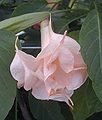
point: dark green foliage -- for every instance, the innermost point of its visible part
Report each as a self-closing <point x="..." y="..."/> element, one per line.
<point x="83" y="21"/>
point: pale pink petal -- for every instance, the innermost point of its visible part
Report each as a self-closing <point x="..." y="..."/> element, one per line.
<point x="28" y="60"/>
<point x="63" y="95"/>
<point x="76" y="78"/>
<point x="48" y="68"/>
<point x="39" y="72"/>
<point x="55" y="42"/>
<point x="48" y="71"/>
<point x="46" y="33"/>
<point x="53" y="56"/>
<point x="50" y="26"/>
<point x="22" y="70"/>
<point x="66" y="59"/>
<point x="30" y="79"/>
<point x="55" y="53"/>
<point x="17" y="70"/>
<point x="33" y="78"/>
<point x="71" y="44"/>
<point x="39" y="91"/>
<point x="56" y="80"/>
<point x="45" y="38"/>
<point x="50" y="83"/>
<point x="79" y="62"/>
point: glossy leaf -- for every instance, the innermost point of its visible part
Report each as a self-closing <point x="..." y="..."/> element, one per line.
<point x="91" y="47"/>
<point x="16" y="24"/>
<point x="85" y="102"/>
<point x="7" y="84"/>
<point x="45" y="110"/>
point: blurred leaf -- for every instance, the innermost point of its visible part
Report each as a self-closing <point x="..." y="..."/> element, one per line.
<point x="66" y="111"/>
<point x="1" y="1"/>
<point x="62" y="22"/>
<point x="11" y="115"/>
<point x="85" y="102"/>
<point x="91" y="48"/>
<point x="16" y="24"/>
<point x="56" y="1"/>
<point x="76" y="14"/>
<point x="60" y="25"/>
<point x="83" y="4"/>
<point x="29" y="7"/>
<point x="5" y="13"/>
<point x="45" y="110"/>
<point x="100" y="1"/>
<point x="7" y="84"/>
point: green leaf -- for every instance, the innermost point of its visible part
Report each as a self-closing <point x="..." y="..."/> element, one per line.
<point x="91" y="47"/>
<point x="56" y="1"/>
<point x="16" y="24"/>
<point x="83" y="4"/>
<point x="7" y="84"/>
<point x="62" y="22"/>
<point x="74" y="35"/>
<point x="85" y="102"/>
<point x="29" y="7"/>
<point x="66" y="111"/>
<point x="45" y="110"/>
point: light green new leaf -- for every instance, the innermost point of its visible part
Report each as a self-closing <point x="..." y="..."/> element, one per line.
<point x="7" y="84"/>
<point x="91" y="47"/>
<point x="16" y="24"/>
<point x="86" y="102"/>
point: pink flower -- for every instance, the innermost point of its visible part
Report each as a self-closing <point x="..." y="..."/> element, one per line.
<point x="56" y="72"/>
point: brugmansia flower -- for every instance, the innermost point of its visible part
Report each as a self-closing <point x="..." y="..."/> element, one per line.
<point x="56" y="72"/>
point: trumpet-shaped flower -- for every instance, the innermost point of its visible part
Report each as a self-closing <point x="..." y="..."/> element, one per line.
<point x="56" y="72"/>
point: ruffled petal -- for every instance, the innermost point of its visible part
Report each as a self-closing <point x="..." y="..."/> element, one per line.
<point x="55" y="53"/>
<point x="38" y="88"/>
<point x="30" y="79"/>
<point x="17" y="70"/>
<point x="62" y="95"/>
<point x="76" y="78"/>
<point x="71" y="44"/>
<point x="56" y="80"/>
<point x="66" y="60"/>
<point x="22" y="70"/>
<point x="39" y="91"/>
<point x="28" y="60"/>
<point x="55" y="42"/>
<point x="39" y="72"/>
<point x="79" y="62"/>
<point x="49" y="70"/>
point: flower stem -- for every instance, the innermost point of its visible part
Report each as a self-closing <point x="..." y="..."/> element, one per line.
<point x="44" y="33"/>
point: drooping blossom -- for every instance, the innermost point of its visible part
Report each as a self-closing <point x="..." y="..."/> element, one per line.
<point x="56" y="72"/>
